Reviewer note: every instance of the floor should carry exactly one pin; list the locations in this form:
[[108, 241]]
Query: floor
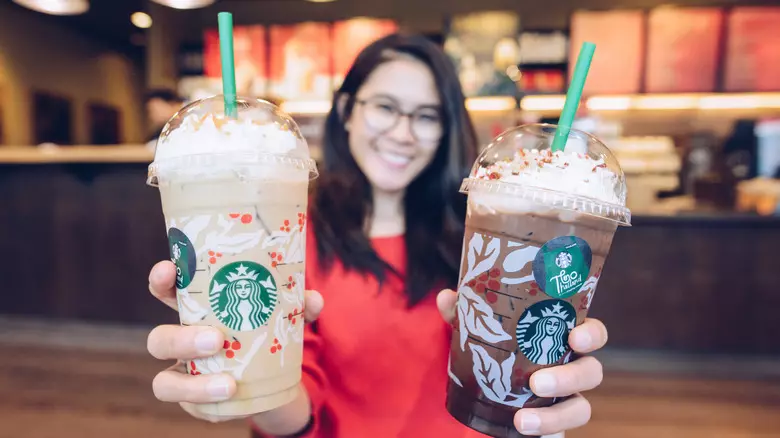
[[86, 381]]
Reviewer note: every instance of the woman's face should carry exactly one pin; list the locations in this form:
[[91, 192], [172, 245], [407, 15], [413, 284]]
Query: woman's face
[[396, 124], [243, 288], [551, 326]]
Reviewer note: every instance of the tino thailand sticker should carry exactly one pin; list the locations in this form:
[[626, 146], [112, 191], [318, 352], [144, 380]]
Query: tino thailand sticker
[[243, 295], [543, 331], [183, 256], [562, 265]]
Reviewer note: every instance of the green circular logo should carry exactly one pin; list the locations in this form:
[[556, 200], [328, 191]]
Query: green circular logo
[[543, 331], [243, 295], [183, 256], [562, 265]]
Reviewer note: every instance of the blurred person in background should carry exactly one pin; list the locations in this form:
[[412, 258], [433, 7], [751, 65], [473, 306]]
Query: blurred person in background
[[161, 105], [387, 224]]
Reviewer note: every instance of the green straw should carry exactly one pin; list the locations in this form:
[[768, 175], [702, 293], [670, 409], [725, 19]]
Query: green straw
[[573, 96], [225, 20]]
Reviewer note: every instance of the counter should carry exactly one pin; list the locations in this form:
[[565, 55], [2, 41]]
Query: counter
[[79, 230]]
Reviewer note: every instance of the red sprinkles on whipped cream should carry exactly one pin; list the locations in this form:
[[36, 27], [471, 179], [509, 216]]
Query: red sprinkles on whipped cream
[[571, 172]]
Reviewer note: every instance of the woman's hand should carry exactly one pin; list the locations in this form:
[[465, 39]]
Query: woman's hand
[[183, 343], [567, 380]]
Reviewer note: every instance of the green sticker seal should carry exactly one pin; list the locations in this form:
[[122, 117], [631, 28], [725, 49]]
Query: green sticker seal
[[562, 265], [243, 295], [183, 256]]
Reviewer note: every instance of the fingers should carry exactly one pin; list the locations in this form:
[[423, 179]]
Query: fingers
[[589, 336], [569, 414], [313, 305], [173, 386], [446, 301], [177, 342], [581, 375], [162, 280]]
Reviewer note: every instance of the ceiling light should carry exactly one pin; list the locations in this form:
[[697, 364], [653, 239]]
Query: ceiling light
[[185, 4], [56, 7], [141, 20]]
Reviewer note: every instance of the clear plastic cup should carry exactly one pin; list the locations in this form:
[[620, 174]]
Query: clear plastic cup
[[539, 227], [234, 194]]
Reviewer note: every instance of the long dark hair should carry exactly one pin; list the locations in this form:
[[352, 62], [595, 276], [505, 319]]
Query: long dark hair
[[434, 208]]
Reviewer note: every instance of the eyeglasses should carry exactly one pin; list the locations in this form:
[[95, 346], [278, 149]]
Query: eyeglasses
[[382, 115]]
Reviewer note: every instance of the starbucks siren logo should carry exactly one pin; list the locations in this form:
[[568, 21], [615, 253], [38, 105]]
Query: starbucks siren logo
[[243, 295], [543, 331], [561, 266], [183, 256]]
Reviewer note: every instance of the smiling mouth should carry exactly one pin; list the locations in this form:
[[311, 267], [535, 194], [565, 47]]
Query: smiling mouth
[[393, 158]]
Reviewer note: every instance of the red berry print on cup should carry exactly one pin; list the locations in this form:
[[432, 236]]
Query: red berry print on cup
[[487, 283], [234, 215], [534, 289], [231, 348], [301, 221], [276, 259], [193, 369], [246, 219], [277, 347], [294, 315], [290, 283], [213, 256]]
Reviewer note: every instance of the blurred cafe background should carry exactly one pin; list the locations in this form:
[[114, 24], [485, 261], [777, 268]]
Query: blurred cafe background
[[687, 95]]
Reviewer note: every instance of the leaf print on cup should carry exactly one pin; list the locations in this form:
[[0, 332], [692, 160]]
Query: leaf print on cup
[[590, 286], [495, 380], [476, 318], [516, 261], [451, 374], [481, 256]]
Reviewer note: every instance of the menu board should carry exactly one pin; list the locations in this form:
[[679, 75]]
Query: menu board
[[752, 61], [484, 46], [619, 39], [250, 54], [543, 47], [300, 61], [352, 36], [682, 49]]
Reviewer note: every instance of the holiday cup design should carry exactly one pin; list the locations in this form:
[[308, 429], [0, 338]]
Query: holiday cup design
[[543, 331], [243, 295], [249, 282], [510, 321], [562, 265], [234, 192], [539, 225]]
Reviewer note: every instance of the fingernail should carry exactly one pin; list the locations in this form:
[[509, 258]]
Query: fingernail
[[584, 339], [207, 342], [529, 423], [218, 387], [544, 383]]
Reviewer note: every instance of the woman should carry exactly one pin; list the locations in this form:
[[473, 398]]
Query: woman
[[386, 234]]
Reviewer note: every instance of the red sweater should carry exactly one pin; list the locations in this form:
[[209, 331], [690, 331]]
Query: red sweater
[[373, 367]]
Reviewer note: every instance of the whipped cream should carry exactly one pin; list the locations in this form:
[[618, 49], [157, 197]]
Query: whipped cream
[[211, 134], [562, 171]]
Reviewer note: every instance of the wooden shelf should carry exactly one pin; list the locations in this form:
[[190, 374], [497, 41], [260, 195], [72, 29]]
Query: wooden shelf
[[75, 154]]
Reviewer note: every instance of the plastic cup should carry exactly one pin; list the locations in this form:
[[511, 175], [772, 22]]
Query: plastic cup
[[539, 227], [234, 195]]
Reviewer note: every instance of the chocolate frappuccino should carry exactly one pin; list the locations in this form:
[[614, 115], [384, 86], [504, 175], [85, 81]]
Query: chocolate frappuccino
[[538, 230]]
